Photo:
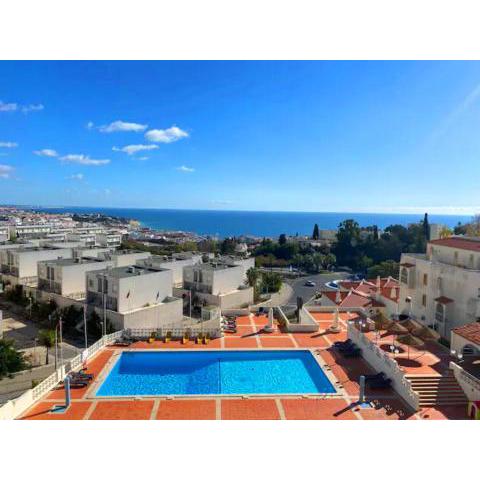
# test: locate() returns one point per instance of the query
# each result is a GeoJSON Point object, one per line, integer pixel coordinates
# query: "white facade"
{"type": "Point", "coordinates": [442, 287]}
{"type": "Point", "coordinates": [123, 258]}
{"type": "Point", "coordinates": [213, 278]}
{"type": "Point", "coordinates": [245, 263]}
{"type": "Point", "coordinates": [67, 277]}
{"type": "Point", "coordinates": [109, 239]}
{"type": "Point", "coordinates": [21, 264]}
{"type": "Point", "coordinates": [4, 233]}
{"type": "Point", "coordinates": [128, 288]}
{"type": "Point", "coordinates": [87, 239]}
{"type": "Point", "coordinates": [176, 264]}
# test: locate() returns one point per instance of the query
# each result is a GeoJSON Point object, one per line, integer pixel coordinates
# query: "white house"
{"type": "Point", "coordinates": [67, 276]}
{"type": "Point", "coordinates": [441, 288]}
{"type": "Point", "coordinates": [123, 258]}
{"type": "Point", "coordinates": [134, 296]}
{"type": "Point", "coordinates": [218, 284]}
{"type": "Point", "coordinates": [109, 239]}
{"type": "Point", "coordinates": [19, 266]}
{"type": "Point", "coordinates": [175, 263]}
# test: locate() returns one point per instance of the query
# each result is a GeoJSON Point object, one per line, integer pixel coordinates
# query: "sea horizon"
{"type": "Point", "coordinates": [226, 223]}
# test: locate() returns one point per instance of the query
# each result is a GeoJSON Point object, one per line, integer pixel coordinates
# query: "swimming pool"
{"type": "Point", "coordinates": [215, 373]}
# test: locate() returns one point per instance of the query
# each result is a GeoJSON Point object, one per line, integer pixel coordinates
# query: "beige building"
{"type": "Point", "coordinates": [441, 288]}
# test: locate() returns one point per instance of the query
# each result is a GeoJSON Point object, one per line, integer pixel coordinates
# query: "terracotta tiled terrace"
{"type": "Point", "coordinates": [386, 404]}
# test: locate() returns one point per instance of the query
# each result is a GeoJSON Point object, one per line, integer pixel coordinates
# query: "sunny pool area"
{"type": "Point", "coordinates": [278, 372]}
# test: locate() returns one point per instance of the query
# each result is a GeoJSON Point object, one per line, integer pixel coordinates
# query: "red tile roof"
{"type": "Point", "coordinates": [369, 287]}
{"type": "Point", "coordinates": [458, 242]}
{"type": "Point", "coordinates": [471, 332]}
{"type": "Point", "coordinates": [443, 300]}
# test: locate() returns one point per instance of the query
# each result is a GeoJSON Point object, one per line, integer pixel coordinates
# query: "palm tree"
{"type": "Point", "coordinates": [47, 339]}
{"type": "Point", "coordinates": [252, 276]}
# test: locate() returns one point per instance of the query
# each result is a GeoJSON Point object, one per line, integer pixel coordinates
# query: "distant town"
{"type": "Point", "coordinates": [75, 284]}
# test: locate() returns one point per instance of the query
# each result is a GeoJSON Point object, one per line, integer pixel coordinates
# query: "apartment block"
{"type": "Point", "coordinates": [123, 258]}
{"type": "Point", "coordinates": [441, 288]}
{"type": "Point", "coordinates": [67, 276]}
{"type": "Point", "coordinates": [175, 263]}
{"type": "Point", "coordinates": [109, 239]}
{"type": "Point", "coordinates": [19, 265]}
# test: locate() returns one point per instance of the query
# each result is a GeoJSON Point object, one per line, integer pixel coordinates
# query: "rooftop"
{"type": "Point", "coordinates": [471, 332]}
{"type": "Point", "coordinates": [461, 243]}
{"type": "Point", "coordinates": [129, 271]}
{"type": "Point", "coordinates": [67, 262]}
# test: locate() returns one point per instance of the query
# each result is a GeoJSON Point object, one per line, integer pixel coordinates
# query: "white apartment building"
{"type": "Point", "coordinates": [175, 263]}
{"type": "Point", "coordinates": [109, 239]}
{"type": "Point", "coordinates": [67, 276]}
{"type": "Point", "coordinates": [442, 287]}
{"type": "Point", "coordinates": [87, 239]}
{"type": "Point", "coordinates": [30, 231]}
{"type": "Point", "coordinates": [218, 284]}
{"type": "Point", "coordinates": [4, 233]}
{"type": "Point", "coordinates": [245, 263]}
{"type": "Point", "coordinates": [19, 265]}
{"type": "Point", "coordinates": [90, 251]}
{"type": "Point", "coordinates": [134, 296]}
{"type": "Point", "coordinates": [123, 258]}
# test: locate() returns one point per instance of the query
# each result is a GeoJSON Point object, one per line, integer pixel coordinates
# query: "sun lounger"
{"type": "Point", "coordinates": [343, 344]}
{"type": "Point", "coordinates": [344, 348]}
{"type": "Point", "coordinates": [122, 343]}
{"type": "Point", "coordinates": [81, 376]}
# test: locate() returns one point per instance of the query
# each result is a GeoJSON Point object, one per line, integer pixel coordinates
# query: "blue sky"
{"type": "Point", "coordinates": [291, 136]}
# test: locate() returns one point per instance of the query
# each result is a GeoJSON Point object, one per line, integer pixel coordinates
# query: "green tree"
{"type": "Point", "coordinates": [253, 276]}
{"type": "Point", "coordinates": [316, 232]}
{"type": "Point", "coordinates": [47, 339]}
{"type": "Point", "coordinates": [426, 227]}
{"type": "Point", "coordinates": [282, 239]}
{"type": "Point", "coordinates": [11, 360]}
{"type": "Point", "coordinates": [271, 282]}
{"type": "Point", "coordinates": [388, 268]}
{"type": "Point", "coordinates": [227, 247]}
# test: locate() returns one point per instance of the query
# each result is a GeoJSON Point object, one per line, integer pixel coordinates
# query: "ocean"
{"type": "Point", "coordinates": [224, 223]}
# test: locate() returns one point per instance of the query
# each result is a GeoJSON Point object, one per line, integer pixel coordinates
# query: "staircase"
{"type": "Point", "coordinates": [436, 390]}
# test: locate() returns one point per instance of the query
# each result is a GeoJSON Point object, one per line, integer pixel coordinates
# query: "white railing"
{"type": "Point", "coordinates": [382, 362]}
{"type": "Point", "coordinates": [469, 383]}
{"type": "Point", "coordinates": [145, 333]}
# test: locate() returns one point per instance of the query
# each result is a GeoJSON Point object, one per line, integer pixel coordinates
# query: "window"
{"type": "Point", "coordinates": [404, 275]}
{"type": "Point", "coordinates": [439, 312]}
{"type": "Point", "coordinates": [425, 279]}
{"type": "Point", "coordinates": [424, 300]}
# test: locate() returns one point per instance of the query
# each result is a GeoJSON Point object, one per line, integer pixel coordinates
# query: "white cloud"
{"type": "Point", "coordinates": [143, 158]}
{"type": "Point", "coordinates": [76, 176]}
{"type": "Point", "coordinates": [12, 107]}
{"type": "Point", "coordinates": [119, 126]}
{"type": "Point", "coordinates": [8, 145]}
{"type": "Point", "coordinates": [185, 169]}
{"type": "Point", "coordinates": [8, 107]}
{"type": "Point", "coordinates": [46, 152]}
{"type": "Point", "coordinates": [83, 160]}
{"type": "Point", "coordinates": [89, 125]}
{"type": "Point", "coordinates": [32, 108]}
{"type": "Point", "coordinates": [132, 149]}
{"type": "Point", "coordinates": [168, 135]}
{"type": "Point", "coordinates": [5, 171]}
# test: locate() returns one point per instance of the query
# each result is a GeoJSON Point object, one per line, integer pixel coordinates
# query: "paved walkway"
{"type": "Point", "coordinates": [386, 405]}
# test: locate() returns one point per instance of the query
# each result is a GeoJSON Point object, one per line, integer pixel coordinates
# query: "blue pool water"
{"type": "Point", "coordinates": [215, 373]}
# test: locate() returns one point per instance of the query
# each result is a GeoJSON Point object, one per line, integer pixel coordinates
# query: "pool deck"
{"type": "Point", "coordinates": [386, 404]}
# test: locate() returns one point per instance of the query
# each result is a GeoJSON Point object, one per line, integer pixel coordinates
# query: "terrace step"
{"type": "Point", "coordinates": [437, 390]}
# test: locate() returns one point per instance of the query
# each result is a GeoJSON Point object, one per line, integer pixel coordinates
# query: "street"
{"type": "Point", "coordinates": [299, 289]}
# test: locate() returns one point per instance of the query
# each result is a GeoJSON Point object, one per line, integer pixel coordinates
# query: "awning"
{"type": "Point", "coordinates": [444, 300]}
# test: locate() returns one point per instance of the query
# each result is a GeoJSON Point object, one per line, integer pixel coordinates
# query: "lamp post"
{"type": "Point", "coordinates": [85, 324]}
